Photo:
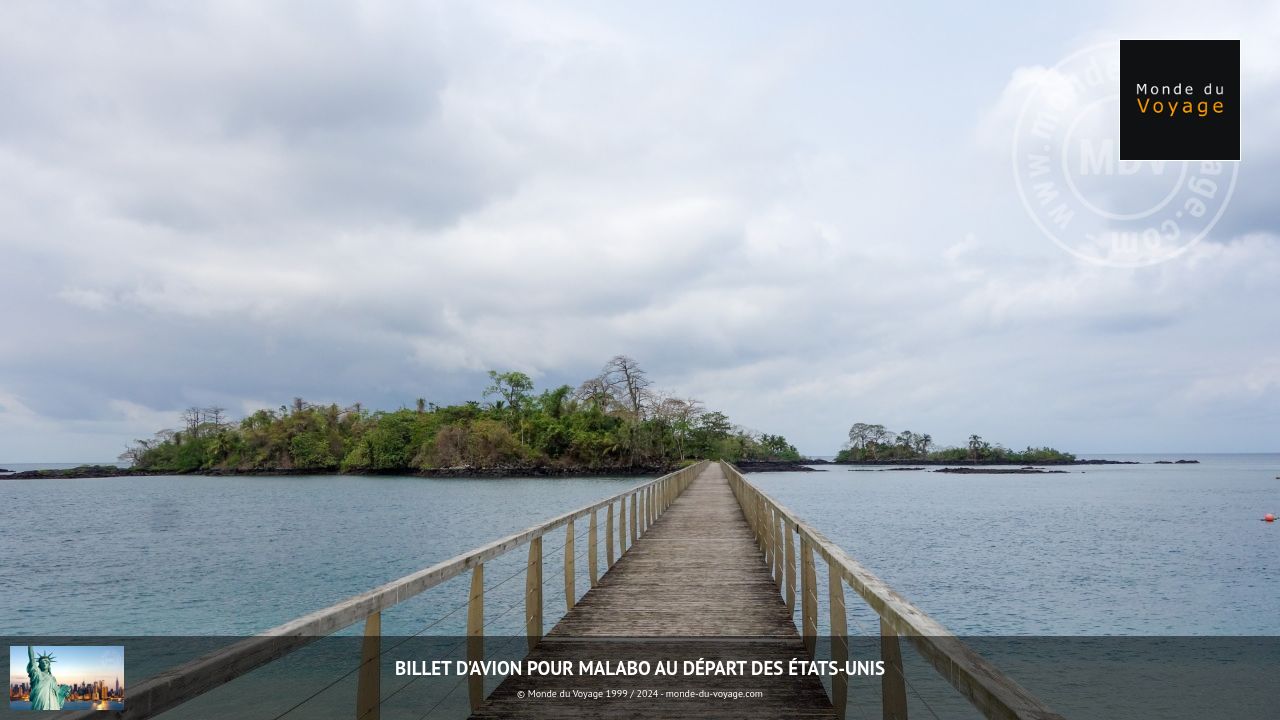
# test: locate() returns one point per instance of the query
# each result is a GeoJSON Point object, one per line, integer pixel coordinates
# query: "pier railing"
{"type": "Point", "coordinates": [777, 530]}
{"type": "Point", "coordinates": [637, 509]}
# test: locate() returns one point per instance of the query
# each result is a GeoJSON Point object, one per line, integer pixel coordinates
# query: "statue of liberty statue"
{"type": "Point", "coordinates": [46, 693]}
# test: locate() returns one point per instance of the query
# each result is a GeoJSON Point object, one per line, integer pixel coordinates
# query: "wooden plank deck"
{"type": "Point", "coordinates": [694, 586]}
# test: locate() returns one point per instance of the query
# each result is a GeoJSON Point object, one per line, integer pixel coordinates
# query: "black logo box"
{"type": "Point", "coordinates": [1187, 69]}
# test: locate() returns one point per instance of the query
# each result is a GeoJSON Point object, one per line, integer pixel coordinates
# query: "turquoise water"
{"type": "Point", "coordinates": [1124, 549]}
{"type": "Point", "coordinates": [1102, 550]}
{"type": "Point", "coordinates": [198, 555]}
{"type": "Point", "coordinates": [1153, 550]}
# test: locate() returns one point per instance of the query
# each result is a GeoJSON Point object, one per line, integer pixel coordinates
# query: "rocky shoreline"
{"type": "Point", "coordinates": [746, 466]}
{"type": "Point", "coordinates": [994, 468]}
{"type": "Point", "coordinates": [750, 466]}
{"type": "Point", "coordinates": [107, 471]}
{"type": "Point", "coordinates": [1000, 471]}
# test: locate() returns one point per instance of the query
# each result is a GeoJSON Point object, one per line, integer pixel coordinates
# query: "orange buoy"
{"type": "Point", "coordinates": [1269, 517]}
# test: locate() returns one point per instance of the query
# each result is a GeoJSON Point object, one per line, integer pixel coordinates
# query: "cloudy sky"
{"type": "Point", "coordinates": [804, 217]}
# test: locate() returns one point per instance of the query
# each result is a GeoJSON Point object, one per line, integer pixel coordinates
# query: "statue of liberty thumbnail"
{"type": "Point", "coordinates": [46, 693]}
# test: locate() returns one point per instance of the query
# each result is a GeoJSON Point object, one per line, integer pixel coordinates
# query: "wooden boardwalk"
{"type": "Point", "coordinates": [694, 586]}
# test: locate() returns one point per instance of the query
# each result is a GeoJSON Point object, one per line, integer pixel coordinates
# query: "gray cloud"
{"type": "Point", "coordinates": [236, 203]}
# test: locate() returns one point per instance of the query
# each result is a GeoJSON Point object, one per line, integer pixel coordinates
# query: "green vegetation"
{"type": "Point", "coordinates": [874, 443]}
{"type": "Point", "coordinates": [612, 421]}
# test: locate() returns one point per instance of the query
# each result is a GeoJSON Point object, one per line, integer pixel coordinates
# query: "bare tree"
{"type": "Point", "coordinates": [215, 416]}
{"type": "Point", "coordinates": [594, 391]}
{"type": "Point", "coordinates": [191, 418]}
{"type": "Point", "coordinates": [134, 453]}
{"type": "Point", "coordinates": [629, 380]}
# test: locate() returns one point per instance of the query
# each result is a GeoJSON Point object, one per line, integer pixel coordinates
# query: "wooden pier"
{"type": "Point", "coordinates": [696, 564]}
{"type": "Point", "coordinates": [696, 576]}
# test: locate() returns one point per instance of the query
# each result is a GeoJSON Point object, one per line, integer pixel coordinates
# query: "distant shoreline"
{"type": "Point", "coordinates": [970, 463]}
{"type": "Point", "coordinates": [748, 466]}
{"type": "Point", "coordinates": [85, 472]}
{"type": "Point", "coordinates": [948, 465]}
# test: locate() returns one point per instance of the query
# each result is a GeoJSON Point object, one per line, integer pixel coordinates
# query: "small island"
{"type": "Point", "coordinates": [874, 444]}
{"type": "Point", "coordinates": [616, 423]}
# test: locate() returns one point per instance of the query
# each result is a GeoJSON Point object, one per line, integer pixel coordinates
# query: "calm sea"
{"type": "Point", "coordinates": [1121, 549]}
{"type": "Point", "coordinates": [1100, 550]}
{"type": "Point", "coordinates": [1135, 550]}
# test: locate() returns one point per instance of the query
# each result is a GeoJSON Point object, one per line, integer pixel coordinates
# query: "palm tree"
{"type": "Point", "coordinates": [975, 444]}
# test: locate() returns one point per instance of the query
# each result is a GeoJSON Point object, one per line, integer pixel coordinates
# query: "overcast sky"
{"type": "Point", "coordinates": [804, 217]}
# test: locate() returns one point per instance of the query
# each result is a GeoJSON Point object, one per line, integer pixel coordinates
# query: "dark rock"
{"type": "Point", "coordinates": [926, 461]}
{"type": "Point", "coordinates": [998, 471]}
{"type": "Point", "coordinates": [83, 471]}
{"type": "Point", "coordinates": [1186, 462]}
{"type": "Point", "coordinates": [750, 466]}
{"type": "Point", "coordinates": [1106, 462]}
{"type": "Point", "coordinates": [98, 471]}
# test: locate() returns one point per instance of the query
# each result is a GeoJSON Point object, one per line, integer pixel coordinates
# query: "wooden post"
{"type": "Point", "coordinates": [753, 515]}
{"type": "Point", "coordinates": [764, 529]}
{"type": "Point", "coordinates": [808, 597]}
{"type": "Point", "coordinates": [648, 507]}
{"type": "Point", "coordinates": [893, 684]}
{"type": "Point", "coordinates": [791, 570]}
{"type": "Point", "coordinates": [533, 593]}
{"type": "Point", "coordinates": [569, 570]}
{"type": "Point", "coordinates": [839, 641]}
{"type": "Point", "coordinates": [608, 537]}
{"type": "Point", "coordinates": [622, 527]}
{"type": "Point", "coordinates": [475, 635]}
{"type": "Point", "coordinates": [776, 529]}
{"type": "Point", "coordinates": [767, 516]}
{"type": "Point", "coordinates": [368, 684]}
{"type": "Point", "coordinates": [635, 533]}
{"type": "Point", "coordinates": [643, 498]}
{"type": "Point", "coordinates": [591, 550]}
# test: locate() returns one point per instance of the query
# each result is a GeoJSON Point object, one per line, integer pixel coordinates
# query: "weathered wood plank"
{"type": "Point", "coordinates": [696, 575]}
{"type": "Point", "coordinates": [808, 597]}
{"type": "Point", "coordinates": [839, 643]}
{"type": "Point", "coordinates": [475, 635]}
{"type": "Point", "coordinates": [533, 593]}
{"type": "Point", "coordinates": [893, 684]}
{"type": "Point", "coordinates": [608, 537]}
{"type": "Point", "coordinates": [570, 571]}
{"type": "Point", "coordinates": [592, 550]}
{"type": "Point", "coordinates": [369, 679]}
